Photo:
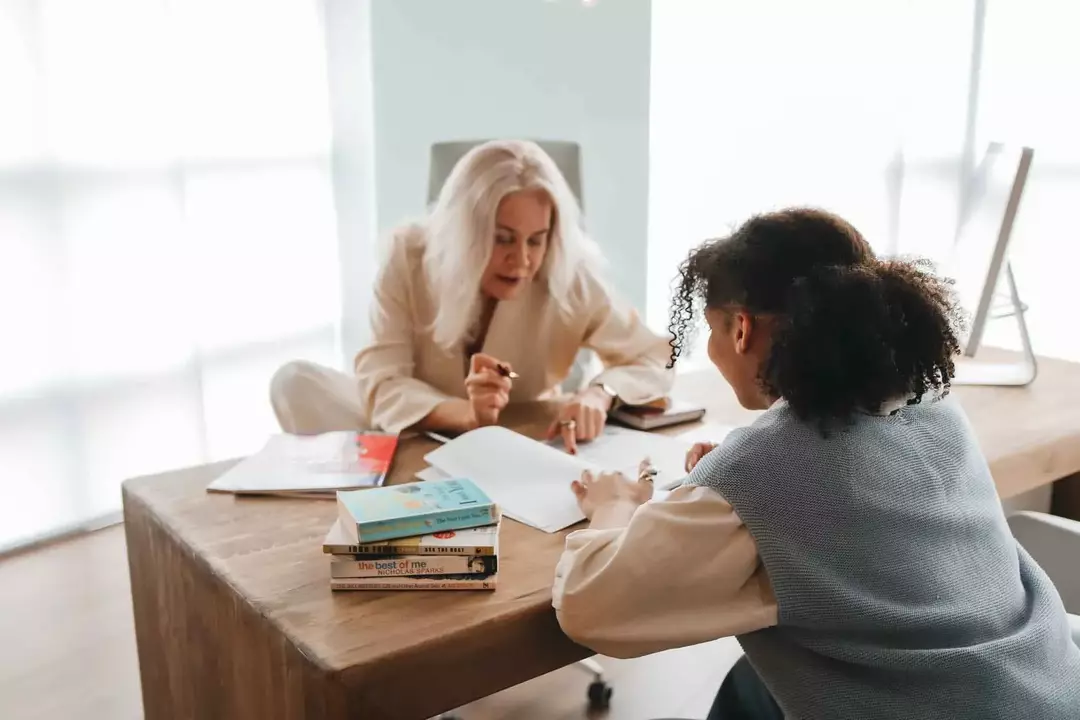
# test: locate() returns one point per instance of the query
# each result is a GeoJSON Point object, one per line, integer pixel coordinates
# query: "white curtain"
{"type": "Point", "coordinates": [167, 238]}
{"type": "Point", "coordinates": [876, 111]}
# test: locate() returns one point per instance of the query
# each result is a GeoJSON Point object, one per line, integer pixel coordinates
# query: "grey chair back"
{"type": "Point", "coordinates": [445, 155]}
{"type": "Point", "coordinates": [1054, 542]}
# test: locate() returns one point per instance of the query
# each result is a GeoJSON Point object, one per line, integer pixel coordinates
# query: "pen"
{"type": "Point", "coordinates": [437, 437]}
{"type": "Point", "coordinates": [507, 372]}
{"type": "Point", "coordinates": [672, 484]}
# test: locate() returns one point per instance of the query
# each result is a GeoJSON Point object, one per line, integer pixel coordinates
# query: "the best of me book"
{"type": "Point", "coordinates": [439, 535]}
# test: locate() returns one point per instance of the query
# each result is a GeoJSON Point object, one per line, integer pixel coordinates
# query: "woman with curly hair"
{"type": "Point", "coordinates": [851, 537]}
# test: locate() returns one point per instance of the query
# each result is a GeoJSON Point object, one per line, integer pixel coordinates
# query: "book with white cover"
{"type": "Point", "coordinates": [530, 480]}
{"type": "Point", "coordinates": [482, 540]}
{"type": "Point", "coordinates": [311, 465]}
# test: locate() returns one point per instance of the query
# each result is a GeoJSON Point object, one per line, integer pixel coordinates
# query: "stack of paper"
{"type": "Point", "coordinates": [531, 480]}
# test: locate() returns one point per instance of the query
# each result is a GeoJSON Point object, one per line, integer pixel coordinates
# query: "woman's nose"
{"type": "Point", "coordinates": [520, 256]}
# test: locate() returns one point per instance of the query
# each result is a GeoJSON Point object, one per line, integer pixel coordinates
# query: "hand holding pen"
{"type": "Point", "coordinates": [647, 472]}
{"type": "Point", "coordinates": [488, 387]}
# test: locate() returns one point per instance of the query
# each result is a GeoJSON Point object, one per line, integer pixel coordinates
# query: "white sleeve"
{"type": "Point", "coordinates": [634, 357]}
{"type": "Point", "coordinates": [394, 398]}
{"type": "Point", "coordinates": [685, 570]}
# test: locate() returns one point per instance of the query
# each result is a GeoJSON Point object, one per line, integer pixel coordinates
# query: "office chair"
{"type": "Point", "coordinates": [1054, 543]}
{"type": "Point", "coordinates": [567, 157]}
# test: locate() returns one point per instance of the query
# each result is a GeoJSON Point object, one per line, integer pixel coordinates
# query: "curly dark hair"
{"type": "Point", "coordinates": [852, 332]}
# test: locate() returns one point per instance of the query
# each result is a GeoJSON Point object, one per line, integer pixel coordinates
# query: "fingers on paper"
{"type": "Point", "coordinates": [590, 423]}
{"type": "Point", "coordinates": [698, 451]}
{"type": "Point", "coordinates": [692, 458]}
{"type": "Point", "coordinates": [569, 435]}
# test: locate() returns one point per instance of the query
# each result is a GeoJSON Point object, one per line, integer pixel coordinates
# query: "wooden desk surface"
{"type": "Point", "coordinates": [213, 574]}
{"type": "Point", "coordinates": [1030, 435]}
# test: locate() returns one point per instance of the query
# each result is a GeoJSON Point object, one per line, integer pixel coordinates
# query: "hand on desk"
{"type": "Point", "coordinates": [612, 494]}
{"type": "Point", "coordinates": [582, 418]}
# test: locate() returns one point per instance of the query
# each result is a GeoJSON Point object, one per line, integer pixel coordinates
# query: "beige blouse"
{"type": "Point", "coordinates": [403, 374]}
{"type": "Point", "coordinates": [685, 570]}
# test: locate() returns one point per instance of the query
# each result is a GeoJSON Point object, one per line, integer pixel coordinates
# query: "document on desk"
{"type": "Point", "coordinates": [530, 480]}
{"type": "Point", "coordinates": [622, 449]}
{"type": "Point", "coordinates": [705, 432]}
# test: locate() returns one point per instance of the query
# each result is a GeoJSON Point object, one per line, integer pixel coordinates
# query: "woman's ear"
{"type": "Point", "coordinates": [744, 328]}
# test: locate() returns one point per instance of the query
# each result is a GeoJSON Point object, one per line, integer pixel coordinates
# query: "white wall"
{"type": "Point", "coordinates": [543, 69]}
{"type": "Point", "coordinates": [347, 25]}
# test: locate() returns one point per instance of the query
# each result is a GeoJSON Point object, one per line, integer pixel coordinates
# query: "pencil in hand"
{"type": "Point", "coordinates": [507, 372]}
{"type": "Point", "coordinates": [647, 472]}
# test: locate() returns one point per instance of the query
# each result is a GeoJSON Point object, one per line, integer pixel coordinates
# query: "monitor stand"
{"type": "Point", "coordinates": [970, 371]}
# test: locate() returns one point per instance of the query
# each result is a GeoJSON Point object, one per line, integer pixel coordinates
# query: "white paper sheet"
{"type": "Point", "coordinates": [531, 480]}
{"type": "Point", "coordinates": [431, 473]}
{"type": "Point", "coordinates": [705, 432]}
{"type": "Point", "coordinates": [622, 449]}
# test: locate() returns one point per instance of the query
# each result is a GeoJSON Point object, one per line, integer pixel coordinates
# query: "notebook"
{"type": "Point", "coordinates": [530, 480]}
{"type": "Point", "coordinates": [312, 465]}
{"type": "Point", "coordinates": [651, 417]}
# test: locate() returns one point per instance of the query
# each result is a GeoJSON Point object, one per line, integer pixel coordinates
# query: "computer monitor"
{"type": "Point", "coordinates": [980, 257]}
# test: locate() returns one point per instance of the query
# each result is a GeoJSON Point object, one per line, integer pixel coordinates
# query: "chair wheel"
{"type": "Point", "coordinates": [599, 695]}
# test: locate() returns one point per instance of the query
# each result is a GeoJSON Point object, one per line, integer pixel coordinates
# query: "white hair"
{"type": "Point", "coordinates": [461, 232]}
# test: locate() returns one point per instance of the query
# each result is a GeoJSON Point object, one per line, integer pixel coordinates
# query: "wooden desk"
{"type": "Point", "coordinates": [1030, 436]}
{"type": "Point", "coordinates": [234, 616]}
{"type": "Point", "coordinates": [235, 619]}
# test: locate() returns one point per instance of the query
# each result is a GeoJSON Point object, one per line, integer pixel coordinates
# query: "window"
{"type": "Point", "coordinates": [875, 111]}
{"type": "Point", "coordinates": [167, 235]}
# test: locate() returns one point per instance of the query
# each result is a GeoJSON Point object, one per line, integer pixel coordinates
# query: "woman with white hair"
{"type": "Point", "coordinates": [485, 302]}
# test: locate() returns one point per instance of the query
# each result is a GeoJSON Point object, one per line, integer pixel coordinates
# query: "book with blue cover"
{"type": "Point", "coordinates": [398, 511]}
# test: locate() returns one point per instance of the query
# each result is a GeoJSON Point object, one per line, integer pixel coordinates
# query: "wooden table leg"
{"type": "Point", "coordinates": [1066, 501]}
{"type": "Point", "coordinates": [203, 652]}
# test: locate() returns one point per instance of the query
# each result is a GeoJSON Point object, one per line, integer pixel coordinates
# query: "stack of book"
{"type": "Point", "coordinates": [439, 535]}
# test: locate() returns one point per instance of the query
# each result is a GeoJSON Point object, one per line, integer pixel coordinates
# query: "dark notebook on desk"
{"type": "Point", "coordinates": [651, 417]}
